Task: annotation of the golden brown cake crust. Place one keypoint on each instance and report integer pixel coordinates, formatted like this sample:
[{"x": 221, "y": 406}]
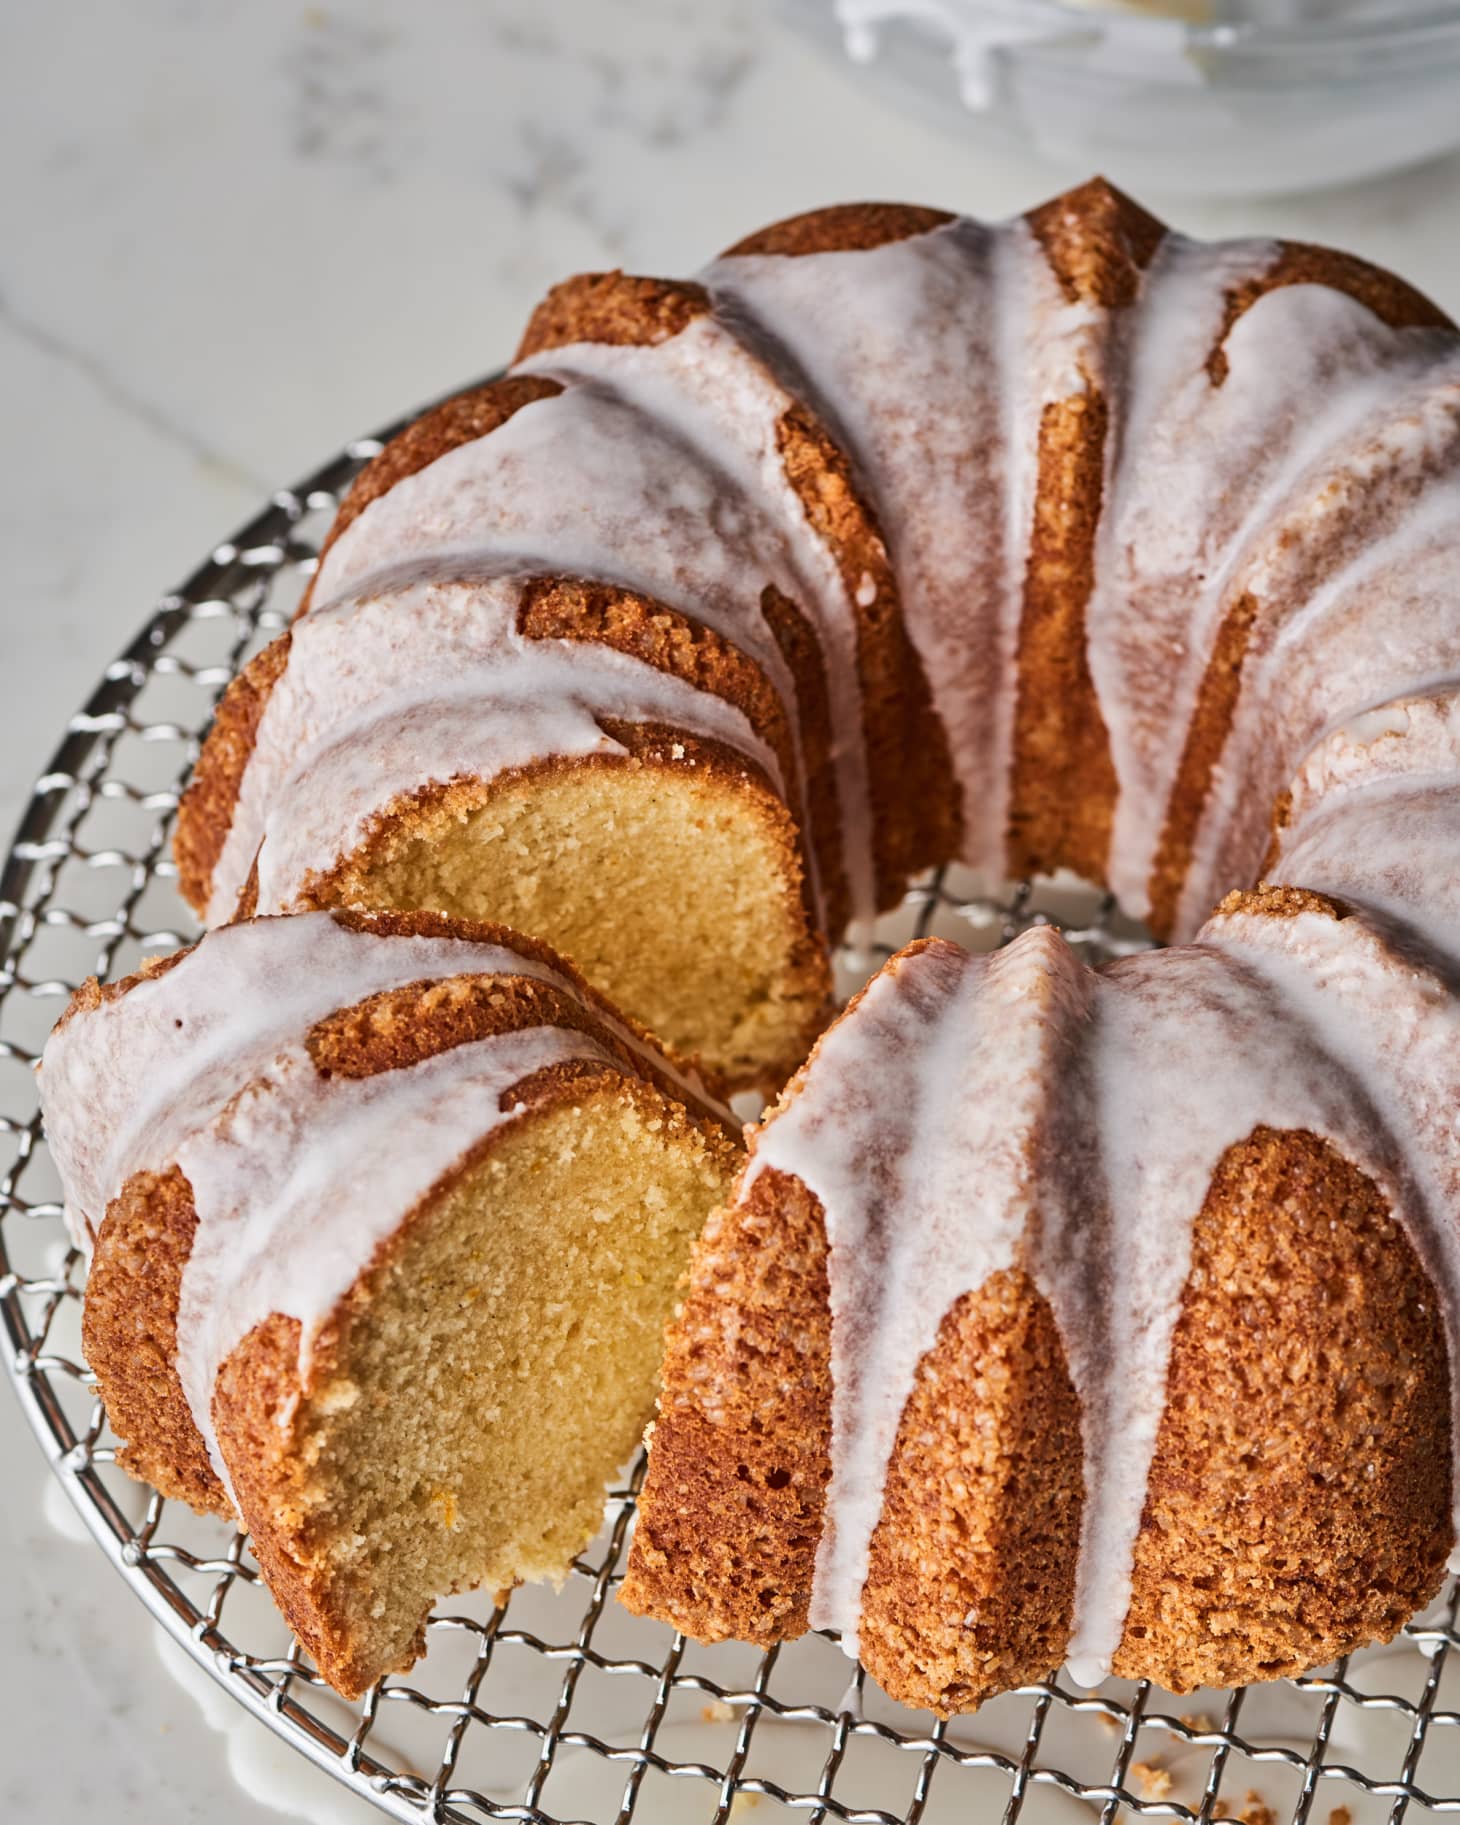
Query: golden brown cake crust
[
  {"x": 842, "y": 228},
  {"x": 401, "y": 1027},
  {"x": 1098, "y": 243},
  {"x": 206, "y": 811},
  {"x": 796, "y": 641},
  {"x": 971, "y": 1576},
  {"x": 914, "y": 801},
  {"x": 1062, "y": 788},
  {"x": 730, "y": 1512},
  {"x": 129, "y": 1329},
  {"x": 1206, "y": 735},
  {"x": 613, "y": 307},
  {"x": 1299, "y": 1499},
  {"x": 256, "y": 1413}
]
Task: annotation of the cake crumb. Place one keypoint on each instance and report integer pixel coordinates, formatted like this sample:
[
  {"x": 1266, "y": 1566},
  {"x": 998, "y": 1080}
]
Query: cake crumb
[
  {"x": 1153, "y": 1780},
  {"x": 1255, "y": 1810},
  {"x": 717, "y": 1712},
  {"x": 1197, "y": 1720},
  {"x": 743, "y": 1803},
  {"x": 1340, "y": 1816}
]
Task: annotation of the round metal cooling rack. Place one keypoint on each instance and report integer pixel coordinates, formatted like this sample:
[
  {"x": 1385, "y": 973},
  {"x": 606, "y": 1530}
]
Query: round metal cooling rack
[{"x": 558, "y": 1706}]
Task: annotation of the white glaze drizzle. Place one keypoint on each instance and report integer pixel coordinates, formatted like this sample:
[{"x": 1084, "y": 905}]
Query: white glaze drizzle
[
  {"x": 1208, "y": 485},
  {"x": 1385, "y": 624},
  {"x": 124, "y": 1083},
  {"x": 384, "y": 695},
  {"x": 296, "y": 1178},
  {"x": 657, "y": 469},
  {"x": 1374, "y": 818},
  {"x": 931, "y": 1188},
  {"x": 955, "y": 487}
]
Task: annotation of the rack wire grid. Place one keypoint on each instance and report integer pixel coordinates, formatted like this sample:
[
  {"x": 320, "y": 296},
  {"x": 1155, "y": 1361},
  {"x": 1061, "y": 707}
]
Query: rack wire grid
[{"x": 557, "y": 1706}]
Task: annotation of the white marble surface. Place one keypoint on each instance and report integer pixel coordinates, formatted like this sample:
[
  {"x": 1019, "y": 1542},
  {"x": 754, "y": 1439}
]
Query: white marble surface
[{"x": 236, "y": 232}]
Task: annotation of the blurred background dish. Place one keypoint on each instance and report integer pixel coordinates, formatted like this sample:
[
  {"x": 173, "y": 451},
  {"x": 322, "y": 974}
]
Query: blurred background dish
[{"x": 1194, "y": 97}]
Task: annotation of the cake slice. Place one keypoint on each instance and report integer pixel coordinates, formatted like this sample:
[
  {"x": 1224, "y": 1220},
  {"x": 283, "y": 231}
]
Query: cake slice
[{"x": 387, "y": 1217}]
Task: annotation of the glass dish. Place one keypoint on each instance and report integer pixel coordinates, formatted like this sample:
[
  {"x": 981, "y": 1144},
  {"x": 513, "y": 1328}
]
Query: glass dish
[{"x": 1171, "y": 96}]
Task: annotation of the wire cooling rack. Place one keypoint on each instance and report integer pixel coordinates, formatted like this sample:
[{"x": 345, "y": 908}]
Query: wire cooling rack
[{"x": 558, "y": 1706}]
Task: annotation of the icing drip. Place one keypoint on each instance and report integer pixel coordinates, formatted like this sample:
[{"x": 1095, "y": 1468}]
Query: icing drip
[
  {"x": 1354, "y": 615},
  {"x": 954, "y": 488},
  {"x": 1311, "y": 378},
  {"x": 296, "y": 1178},
  {"x": 430, "y": 683},
  {"x": 1164, "y": 1121},
  {"x": 931, "y": 1188},
  {"x": 1016, "y": 1139}
]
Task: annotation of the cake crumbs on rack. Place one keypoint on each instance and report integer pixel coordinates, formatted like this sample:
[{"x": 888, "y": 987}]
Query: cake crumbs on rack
[{"x": 1153, "y": 1778}]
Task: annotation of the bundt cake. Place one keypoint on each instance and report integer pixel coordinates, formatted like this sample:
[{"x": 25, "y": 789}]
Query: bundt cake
[
  {"x": 387, "y": 1217},
  {"x": 1086, "y": 1315},
  {"x": 1101, "y": 1314}
]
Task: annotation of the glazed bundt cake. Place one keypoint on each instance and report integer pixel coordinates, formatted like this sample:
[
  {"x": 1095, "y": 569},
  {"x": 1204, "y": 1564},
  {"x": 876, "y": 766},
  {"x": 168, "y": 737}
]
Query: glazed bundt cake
[
  {"x": 1060, "y": 1313},
  {"x": 387, "y": 1217},
  {"x": 1086, "y": 1315}
]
